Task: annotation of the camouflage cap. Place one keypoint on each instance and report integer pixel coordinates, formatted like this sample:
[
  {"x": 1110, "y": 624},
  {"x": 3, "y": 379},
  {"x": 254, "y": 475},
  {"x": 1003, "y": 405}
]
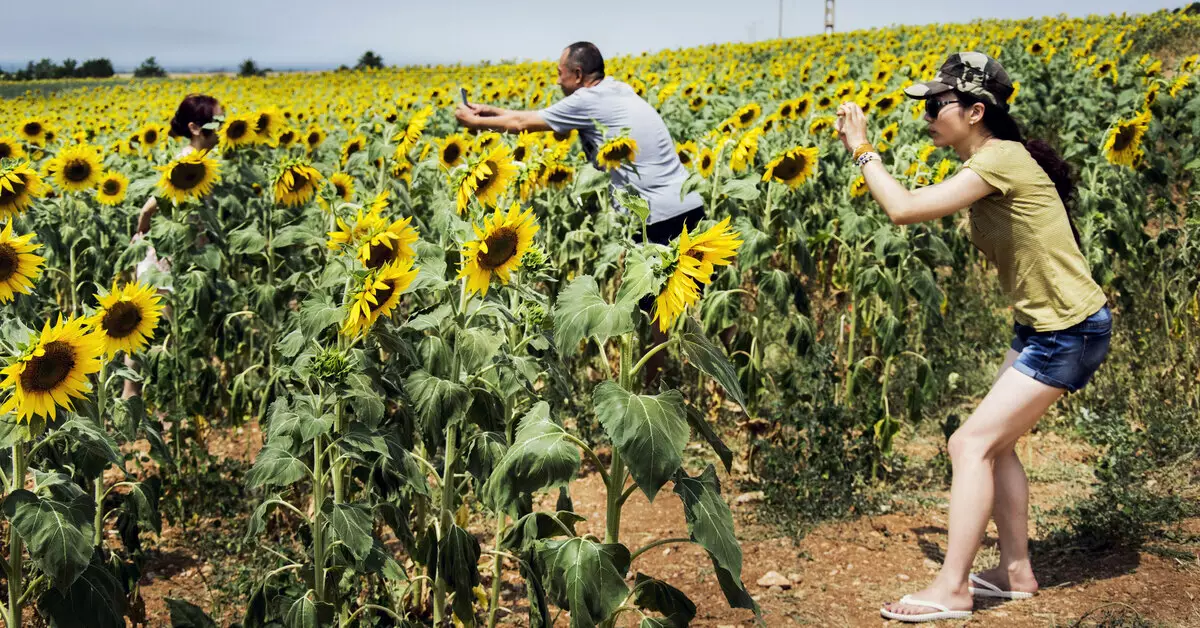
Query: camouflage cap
[{"x": 970, "y": 72}]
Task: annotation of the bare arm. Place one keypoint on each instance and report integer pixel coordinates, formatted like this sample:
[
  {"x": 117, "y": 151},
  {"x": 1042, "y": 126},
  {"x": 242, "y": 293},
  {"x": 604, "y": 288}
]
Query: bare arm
[
  {"x": 905, "y": 207},
  {"x": 148, "y": 211},
  {"x": 484, "y": 117}
]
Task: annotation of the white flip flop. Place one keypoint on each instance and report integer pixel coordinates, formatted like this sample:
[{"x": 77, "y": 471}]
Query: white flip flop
[
  {"x": 942, "y": 612},
  {"x": 987, "y": 589}
]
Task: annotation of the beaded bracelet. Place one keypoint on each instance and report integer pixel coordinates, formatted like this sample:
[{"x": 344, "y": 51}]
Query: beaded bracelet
[
  {"x": 865, "y": 147},
  {"x": 866, "y": 158}
]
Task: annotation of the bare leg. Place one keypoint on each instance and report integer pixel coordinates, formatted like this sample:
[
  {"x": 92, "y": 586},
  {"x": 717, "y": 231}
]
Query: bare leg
[{"x": 1010, "y": 409}]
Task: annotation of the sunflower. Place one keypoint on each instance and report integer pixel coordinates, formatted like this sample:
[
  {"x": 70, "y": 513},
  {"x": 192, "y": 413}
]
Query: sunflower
[
  {"x": 886, "y": 103},
  {"x": 706, "y": 161},
  {"x": 18, "y": 185},
  {"x": 353, "y": 145},
  {"x": 378, "y": 296},
  {"x": 746, "y": 114},
  {"x": 126, "y": 318},
  {"x": 943, "y": 169},
  {"x": 149, "y": 136},
  {"x": 296, "y": 183},
  {"x": 383, "y": 245},
  {"x": 286, "y": 137},
  {"x": 686, "y": 151},
  {"x": 793, "y": 167},
  {"x": 487, "y": 140},
  {"x": 557, "y": 175},
  {"x": 267, "y": 124},
  {"x": 343, "y": 186},
  {"x": 820, "y": 124},
  {"x": 452, "y": 150},
  {"x": 825, "y": 101},
  {"x": 52, "y": 370},
  {"x": 112, "y": 187},
  {"x": 617, "y": 152},
  {"x": 33, "y": 130},
  {"x": 1125, "y": 139},
  {"x": 526, "y": 144},
  {"x": 190, "y": 176},
  {"x": 888, "y": 136},
  {"x": 696, "y": 103},
  {"x": 486, "y": 178},
  {"x": 367, "y": 221},
  {"x": 1105, "y": 69},
  {"x": 858, "y": 187},
  {"x": 314, "y": 137},
  {"x": 1180, "y": 82},
  {"x": 745, "y": 150},
  {"x": 76, "y": 168},
  {"x": 402, "y": 169},
  {"x": 1037, "y": 47},
  {"x": 19, "y": 267},
  {"x": 237, "y": 131},
  {"x": 411, "y": 134},
  {"x": 697, "y": 259},
  {"x": 10, "y": 148},
  {"x": 498, "y": 247}
]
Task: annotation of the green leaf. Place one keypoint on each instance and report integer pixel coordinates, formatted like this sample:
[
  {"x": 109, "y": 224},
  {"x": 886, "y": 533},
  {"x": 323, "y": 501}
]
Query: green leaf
[
  {"x": 438, "y": 400},
  {"x": 93, "y": 449},
  {"x": 296, "y": 235},
  {"x": 541, "y": 457},
  {"x": 745, "y": 189},
  {"x": 247, "y": 241},
  {"x": 586, "y": 578},
  {"x": 537, "y": 526},
  {"x": 640, "y": 277},
  {"x": 95, "y": 599},
  {"x": 589, "y": 180},
  {"x": 655, "y": 595},
  {"x": 582, "y": 313},
  {"x": 649, "y": 431},
  {"x": 476, "y": 347},
  {"x": 57, "y": 533},
  {"x": 458, "y": 566},
  {"x": 709, "y": 358},
  {"x": 275, "y": 466},
  {"x": 297, "y": 422},
  {"x": 352, "y": 525},
  {"x": 188, "y": 615},
  {"x": 302, "y": 613},
  {"x": 710, "y": 523},
  {"x": 290, "y": 345},
  {"x": 319, "y": 312},
  {"x": 700, "y": 424},
  {"x": 430, "y": 318},
  {"x": 629, "y": 199}
]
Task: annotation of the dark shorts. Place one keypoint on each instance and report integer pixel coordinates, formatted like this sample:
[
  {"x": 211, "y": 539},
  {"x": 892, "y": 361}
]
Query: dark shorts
[
  {"x": 663, "y": 231},
  {"x": 1066, "y": 358}
]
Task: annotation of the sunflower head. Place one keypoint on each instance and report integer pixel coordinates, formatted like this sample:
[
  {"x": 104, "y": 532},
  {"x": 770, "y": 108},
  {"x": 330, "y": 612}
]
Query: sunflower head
[
  {"x": 10, "y": 148},
  {"x": 19, "y": 266},
  {"x": 33, "y": 130},
  {"x": 19, "y": 185},
  {"x": 686, "y": 152},
  {"x": 111, "y": 189},
  {"x": 557, "y": 176},
  {"x": 295, "y": 182},
  {"x": 378, "y": 296},
  {"x": 617, "y": 152},
  {"x": 52, "y": 371},
  {"x": 190, "y": 176},
  {"x": 486, "y": 178},
  {"x": 76, "y": 168},
  {"x": 696, "y": 260},
  {"x": 452, "y": 151},
  {"x": 499, "y": 244},
  {"x": 1123, "y": 145},
  {"x": 706, "y": 162},
  {"x": 343, "y": 186},
  {"x": 793, "y": 167},
  {"x": 313, "y": 137},
  {"x": 353, "y": 145},
  {"x": 238, "y": 131},
  {"x": 127, "y": 318}
]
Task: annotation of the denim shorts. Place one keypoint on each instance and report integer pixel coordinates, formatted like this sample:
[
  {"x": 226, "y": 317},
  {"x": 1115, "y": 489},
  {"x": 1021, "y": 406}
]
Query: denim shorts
[{"x": 1066, "y": 358}]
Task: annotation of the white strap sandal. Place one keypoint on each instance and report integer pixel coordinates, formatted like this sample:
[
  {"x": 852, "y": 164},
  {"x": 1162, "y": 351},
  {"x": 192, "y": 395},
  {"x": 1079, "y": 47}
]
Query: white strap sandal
[
  {"x": 984, "y": 588},
  {"x": 942, "y": 612}
]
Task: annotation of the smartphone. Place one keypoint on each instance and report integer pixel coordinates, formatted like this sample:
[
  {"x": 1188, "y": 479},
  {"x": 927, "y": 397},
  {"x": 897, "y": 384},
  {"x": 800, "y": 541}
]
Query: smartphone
[{"x": 463, "y": 90}]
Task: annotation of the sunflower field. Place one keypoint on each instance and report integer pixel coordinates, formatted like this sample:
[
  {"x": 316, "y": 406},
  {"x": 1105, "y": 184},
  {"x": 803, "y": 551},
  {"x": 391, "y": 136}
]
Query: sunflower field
[{"x": 440, "y": 331}]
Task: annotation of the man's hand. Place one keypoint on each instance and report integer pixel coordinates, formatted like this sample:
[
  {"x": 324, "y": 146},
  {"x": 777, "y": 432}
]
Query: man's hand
[
  {"x": 466, "y": 116},
  {"x": 485, "y": 111}
]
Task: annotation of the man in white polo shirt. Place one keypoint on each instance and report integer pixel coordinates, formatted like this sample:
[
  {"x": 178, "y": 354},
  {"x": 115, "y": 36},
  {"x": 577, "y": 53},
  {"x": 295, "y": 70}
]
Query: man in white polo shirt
[{"x": 593, "y": 98}]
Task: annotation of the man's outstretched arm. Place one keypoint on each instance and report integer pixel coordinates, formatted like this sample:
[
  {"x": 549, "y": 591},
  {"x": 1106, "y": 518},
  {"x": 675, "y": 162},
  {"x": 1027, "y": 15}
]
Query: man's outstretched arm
[{"x": 486, "y": 117}]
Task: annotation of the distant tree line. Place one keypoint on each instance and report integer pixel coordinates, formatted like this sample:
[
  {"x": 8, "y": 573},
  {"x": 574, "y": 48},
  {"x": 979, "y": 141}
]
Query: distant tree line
[{"x": 69, "y": 68}]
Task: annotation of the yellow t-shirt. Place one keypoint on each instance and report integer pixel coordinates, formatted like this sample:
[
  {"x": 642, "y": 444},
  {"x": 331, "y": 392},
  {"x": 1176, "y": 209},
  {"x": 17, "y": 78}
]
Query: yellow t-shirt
[{"x": 1023, "y": 229}]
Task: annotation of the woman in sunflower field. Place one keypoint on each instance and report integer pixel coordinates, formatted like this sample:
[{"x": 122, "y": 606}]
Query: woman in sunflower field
[
  {"x": 1017, "y": 191},
  {"x": 194, "y": 121}
]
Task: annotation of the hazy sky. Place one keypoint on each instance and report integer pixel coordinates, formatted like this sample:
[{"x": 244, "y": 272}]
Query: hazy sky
[{"x": 300, "y": 33}]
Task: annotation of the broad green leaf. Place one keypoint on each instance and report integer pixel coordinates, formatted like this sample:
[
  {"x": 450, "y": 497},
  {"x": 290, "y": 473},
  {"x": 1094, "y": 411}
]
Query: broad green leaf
[
  {"x": 537, "y": 526},
  {"x": 275, "y": 466},
  {"x": 709, "y": 358},
  {"x": 649, "y": 431},
  {"x": 458, "y": 566},
  {"x": 352, "y": 525},
  {"x": 700, "y": 424},
  {"x": 476, "y": 346},
  {"x": 585, "y": 577},
  {"x": 290, "y": 345},
  {"x": 438, "y": 400},
  {"x": 484, "y": 453},
  {"x": 92, "y": 449},
  {"x": 57, "y": 533},
  {"x": 582, "y": 313},
  {"x": 296, "y": 235},
  {"x": 745, "y": 189},
  {"x": 430, "y": 318},
  {"x": 655, "y": 595},
  {"x": 629, "y": 199},
  {"x": 319, "y": 312},
  {"x": 302, "y": 613},
  {"x": 187, "y": 615},
  {"x": 589, "y": 180},
  {"x": 128, "y": 415},
  {"x": 247, "y": 241},
  {"x": 640, "y": 277},
  {"x": 541, "y": 457},
  {"x": 95, "y": 599},
  {"x": 710, "y": 523}
]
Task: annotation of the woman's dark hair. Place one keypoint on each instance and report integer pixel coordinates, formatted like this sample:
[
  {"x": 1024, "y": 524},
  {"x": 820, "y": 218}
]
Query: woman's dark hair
[
  {"x": 1003, "y": 126},
  {"x": 198, "y": 108}
]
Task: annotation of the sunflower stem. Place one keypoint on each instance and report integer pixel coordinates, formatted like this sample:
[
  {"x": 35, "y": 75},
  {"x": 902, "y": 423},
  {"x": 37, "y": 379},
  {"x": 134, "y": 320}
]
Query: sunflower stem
[
  {"x": 445, "y": 519},
  {"x": 15, "y": 543},
  {"x": 101, "y": 399}
]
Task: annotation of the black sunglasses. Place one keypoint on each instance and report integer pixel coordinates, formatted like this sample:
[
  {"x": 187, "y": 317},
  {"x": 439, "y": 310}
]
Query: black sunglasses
[{"x": 933, "y": 106}]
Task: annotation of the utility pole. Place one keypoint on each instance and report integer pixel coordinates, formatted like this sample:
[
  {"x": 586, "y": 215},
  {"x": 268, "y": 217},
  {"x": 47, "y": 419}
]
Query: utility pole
[
  {"x": 780, "y": 19},
  {"x": 828, "y": 17}
]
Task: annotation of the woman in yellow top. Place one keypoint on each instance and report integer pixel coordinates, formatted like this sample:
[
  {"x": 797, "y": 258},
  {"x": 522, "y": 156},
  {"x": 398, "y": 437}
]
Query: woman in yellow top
[{"x": 1017, "y": 192}]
